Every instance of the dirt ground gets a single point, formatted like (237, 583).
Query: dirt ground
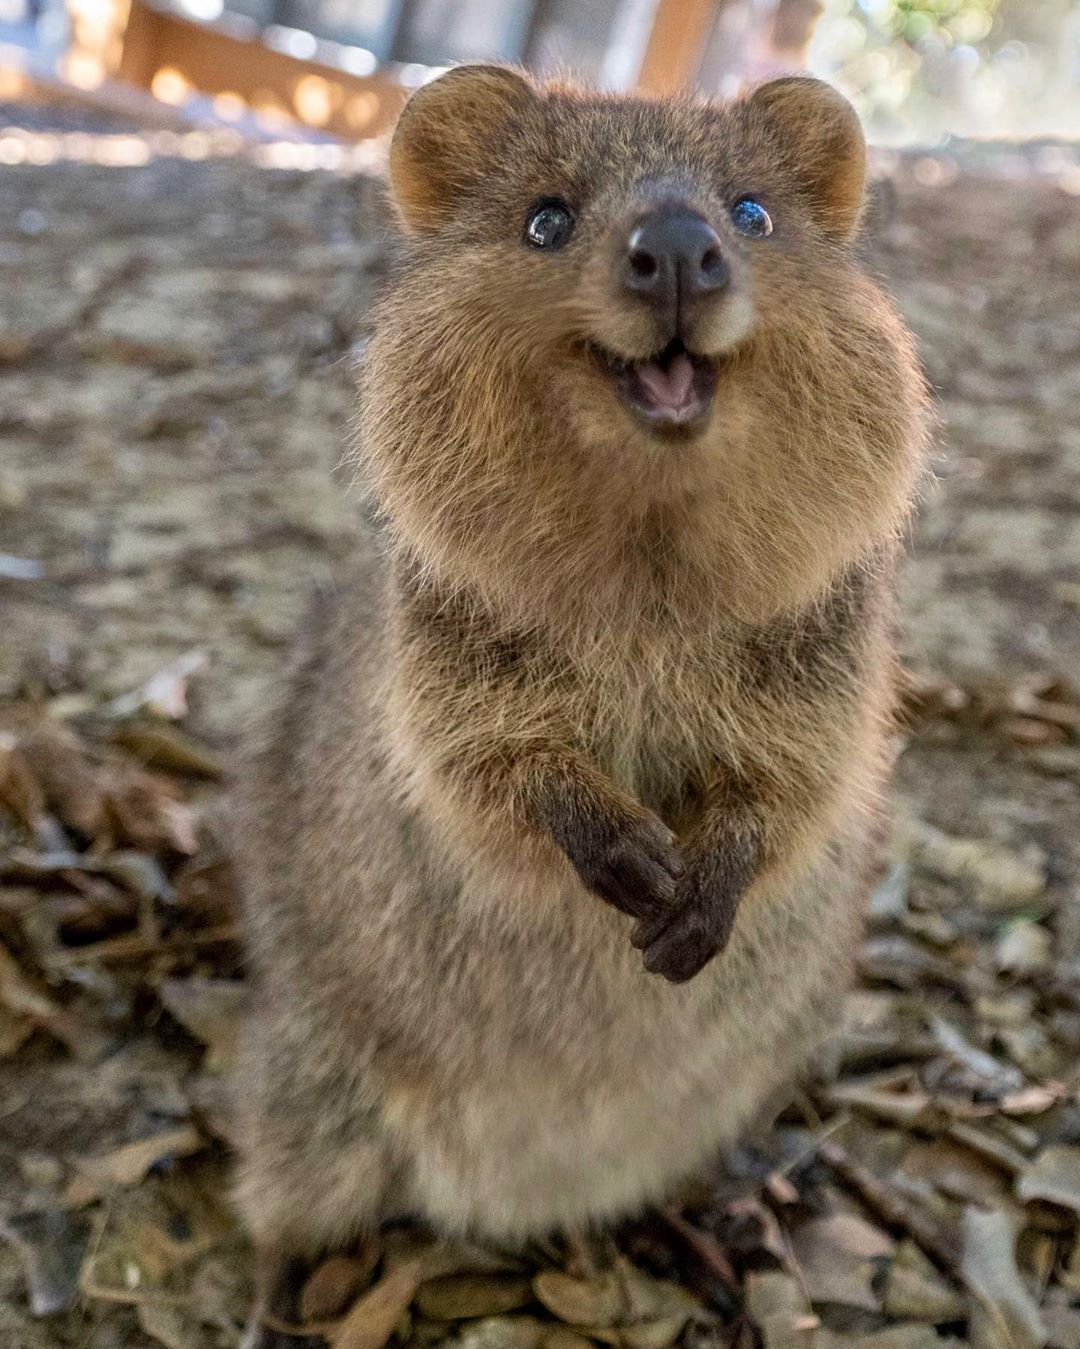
(176, 344)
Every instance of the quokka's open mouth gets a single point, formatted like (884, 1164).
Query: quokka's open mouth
(671, 391)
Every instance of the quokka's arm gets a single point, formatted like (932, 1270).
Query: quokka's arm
(620, 850)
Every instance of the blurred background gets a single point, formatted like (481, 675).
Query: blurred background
(919, 70)
(193, 225)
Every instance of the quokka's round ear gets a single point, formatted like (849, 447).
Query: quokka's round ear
(449, 137)
(820, 131)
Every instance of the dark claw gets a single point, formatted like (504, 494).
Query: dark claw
(685, 947)
(638, 871)
(679, 943)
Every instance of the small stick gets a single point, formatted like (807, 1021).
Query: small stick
(703, 1246)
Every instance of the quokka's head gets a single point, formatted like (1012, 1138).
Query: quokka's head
(633, 246)
(613, 310)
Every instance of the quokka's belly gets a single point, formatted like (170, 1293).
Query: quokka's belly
(633, 1084)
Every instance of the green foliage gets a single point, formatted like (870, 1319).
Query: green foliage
(927, 69)
(951, 20)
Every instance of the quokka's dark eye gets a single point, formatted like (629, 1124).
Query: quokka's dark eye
(751, 218)
(550, 224)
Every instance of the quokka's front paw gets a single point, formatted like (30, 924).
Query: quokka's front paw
(633, 864)
(679, 943)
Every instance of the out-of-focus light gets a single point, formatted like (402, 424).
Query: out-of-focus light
(12, 11)
(92, 11)
(966, 57)
(121, 152)
(970, 25)
(846, 39)
(357, 61)
(206, 11)
(12, 82)
(1051, 159)
(42, 149)
(228, 106)
(83, 69)
(932, 172)
(268, 108)
(292, 41)
(76, 145)
(194, 145)
(1012, 51)
(1069, 180)
(227, 141)
(170, 86)
(128, 150)
(361, 110)
(12, 150)
(165, 143)
(31, 222)
(313, 99)
(413, 75)
(52, 26)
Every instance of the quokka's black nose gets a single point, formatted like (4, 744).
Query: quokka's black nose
(673, 257)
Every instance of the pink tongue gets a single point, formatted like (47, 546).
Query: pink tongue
(668, 388)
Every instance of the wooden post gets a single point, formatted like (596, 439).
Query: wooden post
(792, 29)
(680, 31)
(249, 74)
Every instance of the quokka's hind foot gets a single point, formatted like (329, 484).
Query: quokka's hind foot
(276, 1314)
(313, 1178)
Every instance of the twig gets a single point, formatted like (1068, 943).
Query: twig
(702, 1246)
(136, 947)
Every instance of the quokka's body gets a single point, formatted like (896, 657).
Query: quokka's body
(640, 463)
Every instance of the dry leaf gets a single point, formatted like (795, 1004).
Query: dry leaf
(896, 1337)
(129, 1164)
(1063, 1326)
(164, 693)
(1004, 1314)
(337, 1282)
(459, 1297)
(1024, 948)
(374, 1318)
(160, 745)
(22, 999)
(52, 1244)
(894, 1107)
(777, 1305)
(995, 877)
(915, 1291)
(1030, 1100)
(501, 1332)
(153, 1238)
(1054, 1176)
(562, 1337)
(581, 1302)
(15, 1030)
(652, 1334)
(836, 1259)
(1000, 1077)
(212, 1010)
(174, 1327)
(646, 1298)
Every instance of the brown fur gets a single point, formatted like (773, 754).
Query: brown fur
(585, 658)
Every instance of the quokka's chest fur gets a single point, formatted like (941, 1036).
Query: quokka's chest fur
(661, 706)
